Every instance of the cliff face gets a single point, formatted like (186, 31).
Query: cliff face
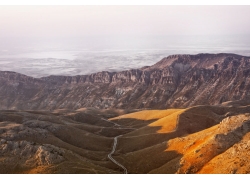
(175, 81)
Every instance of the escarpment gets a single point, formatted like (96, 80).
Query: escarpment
(176, 81)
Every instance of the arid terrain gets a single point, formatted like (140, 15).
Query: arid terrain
(185, 114)
(200, 139)
(177, 81)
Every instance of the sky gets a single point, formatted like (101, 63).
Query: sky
(77, 21)
(71, 40)
(122, 26)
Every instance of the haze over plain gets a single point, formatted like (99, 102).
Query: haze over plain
(45, 40)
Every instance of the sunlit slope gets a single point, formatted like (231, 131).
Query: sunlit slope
(168, 123)
(234, 142)
(171, 123)
(167, 119)
(146, 115)
(206, 138)
(225, 142)
(142, 118)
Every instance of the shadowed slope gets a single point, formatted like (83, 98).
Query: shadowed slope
(58, 142)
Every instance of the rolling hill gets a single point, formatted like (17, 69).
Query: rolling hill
(199, 139)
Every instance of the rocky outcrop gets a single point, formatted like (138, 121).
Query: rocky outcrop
(29, 154)
(175, 81)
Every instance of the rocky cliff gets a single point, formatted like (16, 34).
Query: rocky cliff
(175, 81)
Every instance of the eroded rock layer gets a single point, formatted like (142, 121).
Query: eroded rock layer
(175, 81)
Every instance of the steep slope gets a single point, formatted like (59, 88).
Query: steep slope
(220, 142)
(176, 81)
(200, 143)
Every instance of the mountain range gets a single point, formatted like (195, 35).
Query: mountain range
(177, 81)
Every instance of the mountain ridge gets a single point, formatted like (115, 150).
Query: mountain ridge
(175, 81)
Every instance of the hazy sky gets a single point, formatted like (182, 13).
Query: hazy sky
(21, 23)
(35, 39)
(51, 21)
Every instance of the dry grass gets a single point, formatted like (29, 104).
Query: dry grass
(168, 123)
(147, 115)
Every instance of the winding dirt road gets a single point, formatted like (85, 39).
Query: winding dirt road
(112, 152)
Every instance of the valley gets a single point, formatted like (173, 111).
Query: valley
(193, 140)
